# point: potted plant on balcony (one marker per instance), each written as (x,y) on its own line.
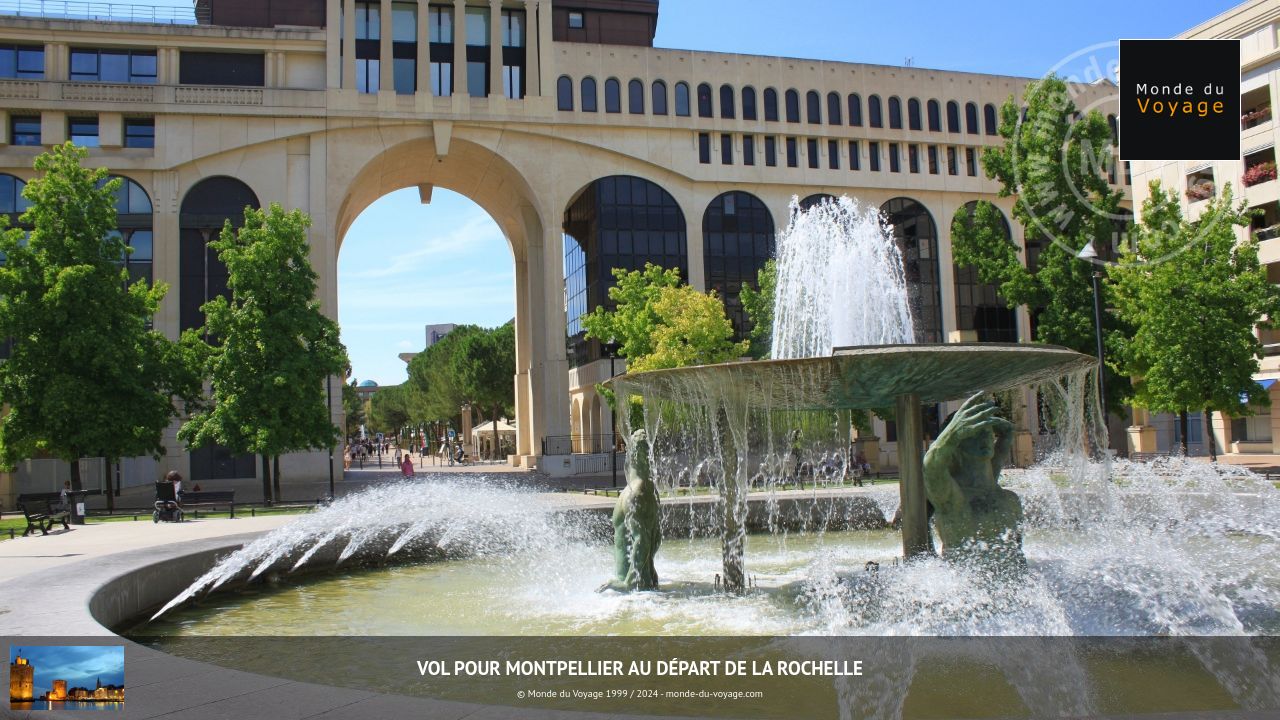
(1200,191)
(1255,117)
(1259,173)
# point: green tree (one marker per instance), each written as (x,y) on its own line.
(1194,295)
(1056,166)
(432,374)
(483,368)
(389,409)
(758,305)
(659,323)
(270,348)
(353,408)
(87,375)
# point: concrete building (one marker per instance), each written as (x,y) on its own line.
(589,147)
(1253,178)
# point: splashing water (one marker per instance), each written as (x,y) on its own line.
(840,282)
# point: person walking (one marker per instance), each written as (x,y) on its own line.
(346,458)
(406,466)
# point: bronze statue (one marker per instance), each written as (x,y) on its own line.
(973,515)
(636,530)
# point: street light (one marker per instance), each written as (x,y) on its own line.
(611,348)
(1088,254)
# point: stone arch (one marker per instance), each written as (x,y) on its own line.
(413,157)
(979,307)
(917,236)
(576,429)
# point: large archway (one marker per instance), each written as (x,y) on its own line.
(434,156)
(917,238)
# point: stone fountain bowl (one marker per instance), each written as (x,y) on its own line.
(870,376)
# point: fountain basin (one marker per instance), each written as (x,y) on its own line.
(873,376)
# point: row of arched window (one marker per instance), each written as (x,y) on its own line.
(836,110)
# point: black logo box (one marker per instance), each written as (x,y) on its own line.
(1187,68)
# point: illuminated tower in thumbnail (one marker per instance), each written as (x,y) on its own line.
(59,690)
(22,675)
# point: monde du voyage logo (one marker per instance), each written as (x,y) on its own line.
(1180,99)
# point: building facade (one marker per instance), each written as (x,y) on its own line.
(1253,179)
(589,147)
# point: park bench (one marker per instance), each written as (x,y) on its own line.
(210,498)
(41,513)
(1144,457)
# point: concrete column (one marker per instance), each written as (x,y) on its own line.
(694,256)
(532,76)
(524,348)
(333,43)
(460,48)
(424,49)
(546,66)
(57,61)
(386,63)
(495,48)
(349,44)
(915,519)
(269,69)
(947,271)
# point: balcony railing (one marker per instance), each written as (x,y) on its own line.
(105,11)
(1256,117)
(1267,233)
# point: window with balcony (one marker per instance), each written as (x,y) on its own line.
(1259,167)
(23,62)
(113,66)
(1266,221)
(1255,107)
(1200,185)
(83,131)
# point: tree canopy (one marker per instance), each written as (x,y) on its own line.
(758,305)
(1055,163)
(270,348)
(1193,294)
(660,323)
(469,365)
(87,375)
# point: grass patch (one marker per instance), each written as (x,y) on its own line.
(18,523)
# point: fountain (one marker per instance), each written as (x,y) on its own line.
(1070,547)
(839,279)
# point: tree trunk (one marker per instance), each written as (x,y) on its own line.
(496,453)
(1208,431)
(75,474)
(266,480)
(1183,427)
(275,476)
(111,495)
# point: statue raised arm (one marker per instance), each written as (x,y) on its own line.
(973,515)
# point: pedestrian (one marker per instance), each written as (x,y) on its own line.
(406,466)
(397,455)
(346,458)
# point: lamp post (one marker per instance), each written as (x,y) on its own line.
(1088,254)
(328,396)
(611,348)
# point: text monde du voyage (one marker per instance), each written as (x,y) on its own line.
(1180,99)
(674,667)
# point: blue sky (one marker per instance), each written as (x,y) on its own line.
(79,665)
(404,265)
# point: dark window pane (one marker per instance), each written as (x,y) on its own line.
(612,96)
(659,98)
(726,102)
(588,94)
(770,105)
(873,111)
(895,113)
(793,106)
(748,103)
(635,97)
(704,101)
(682,99)
(564,93)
